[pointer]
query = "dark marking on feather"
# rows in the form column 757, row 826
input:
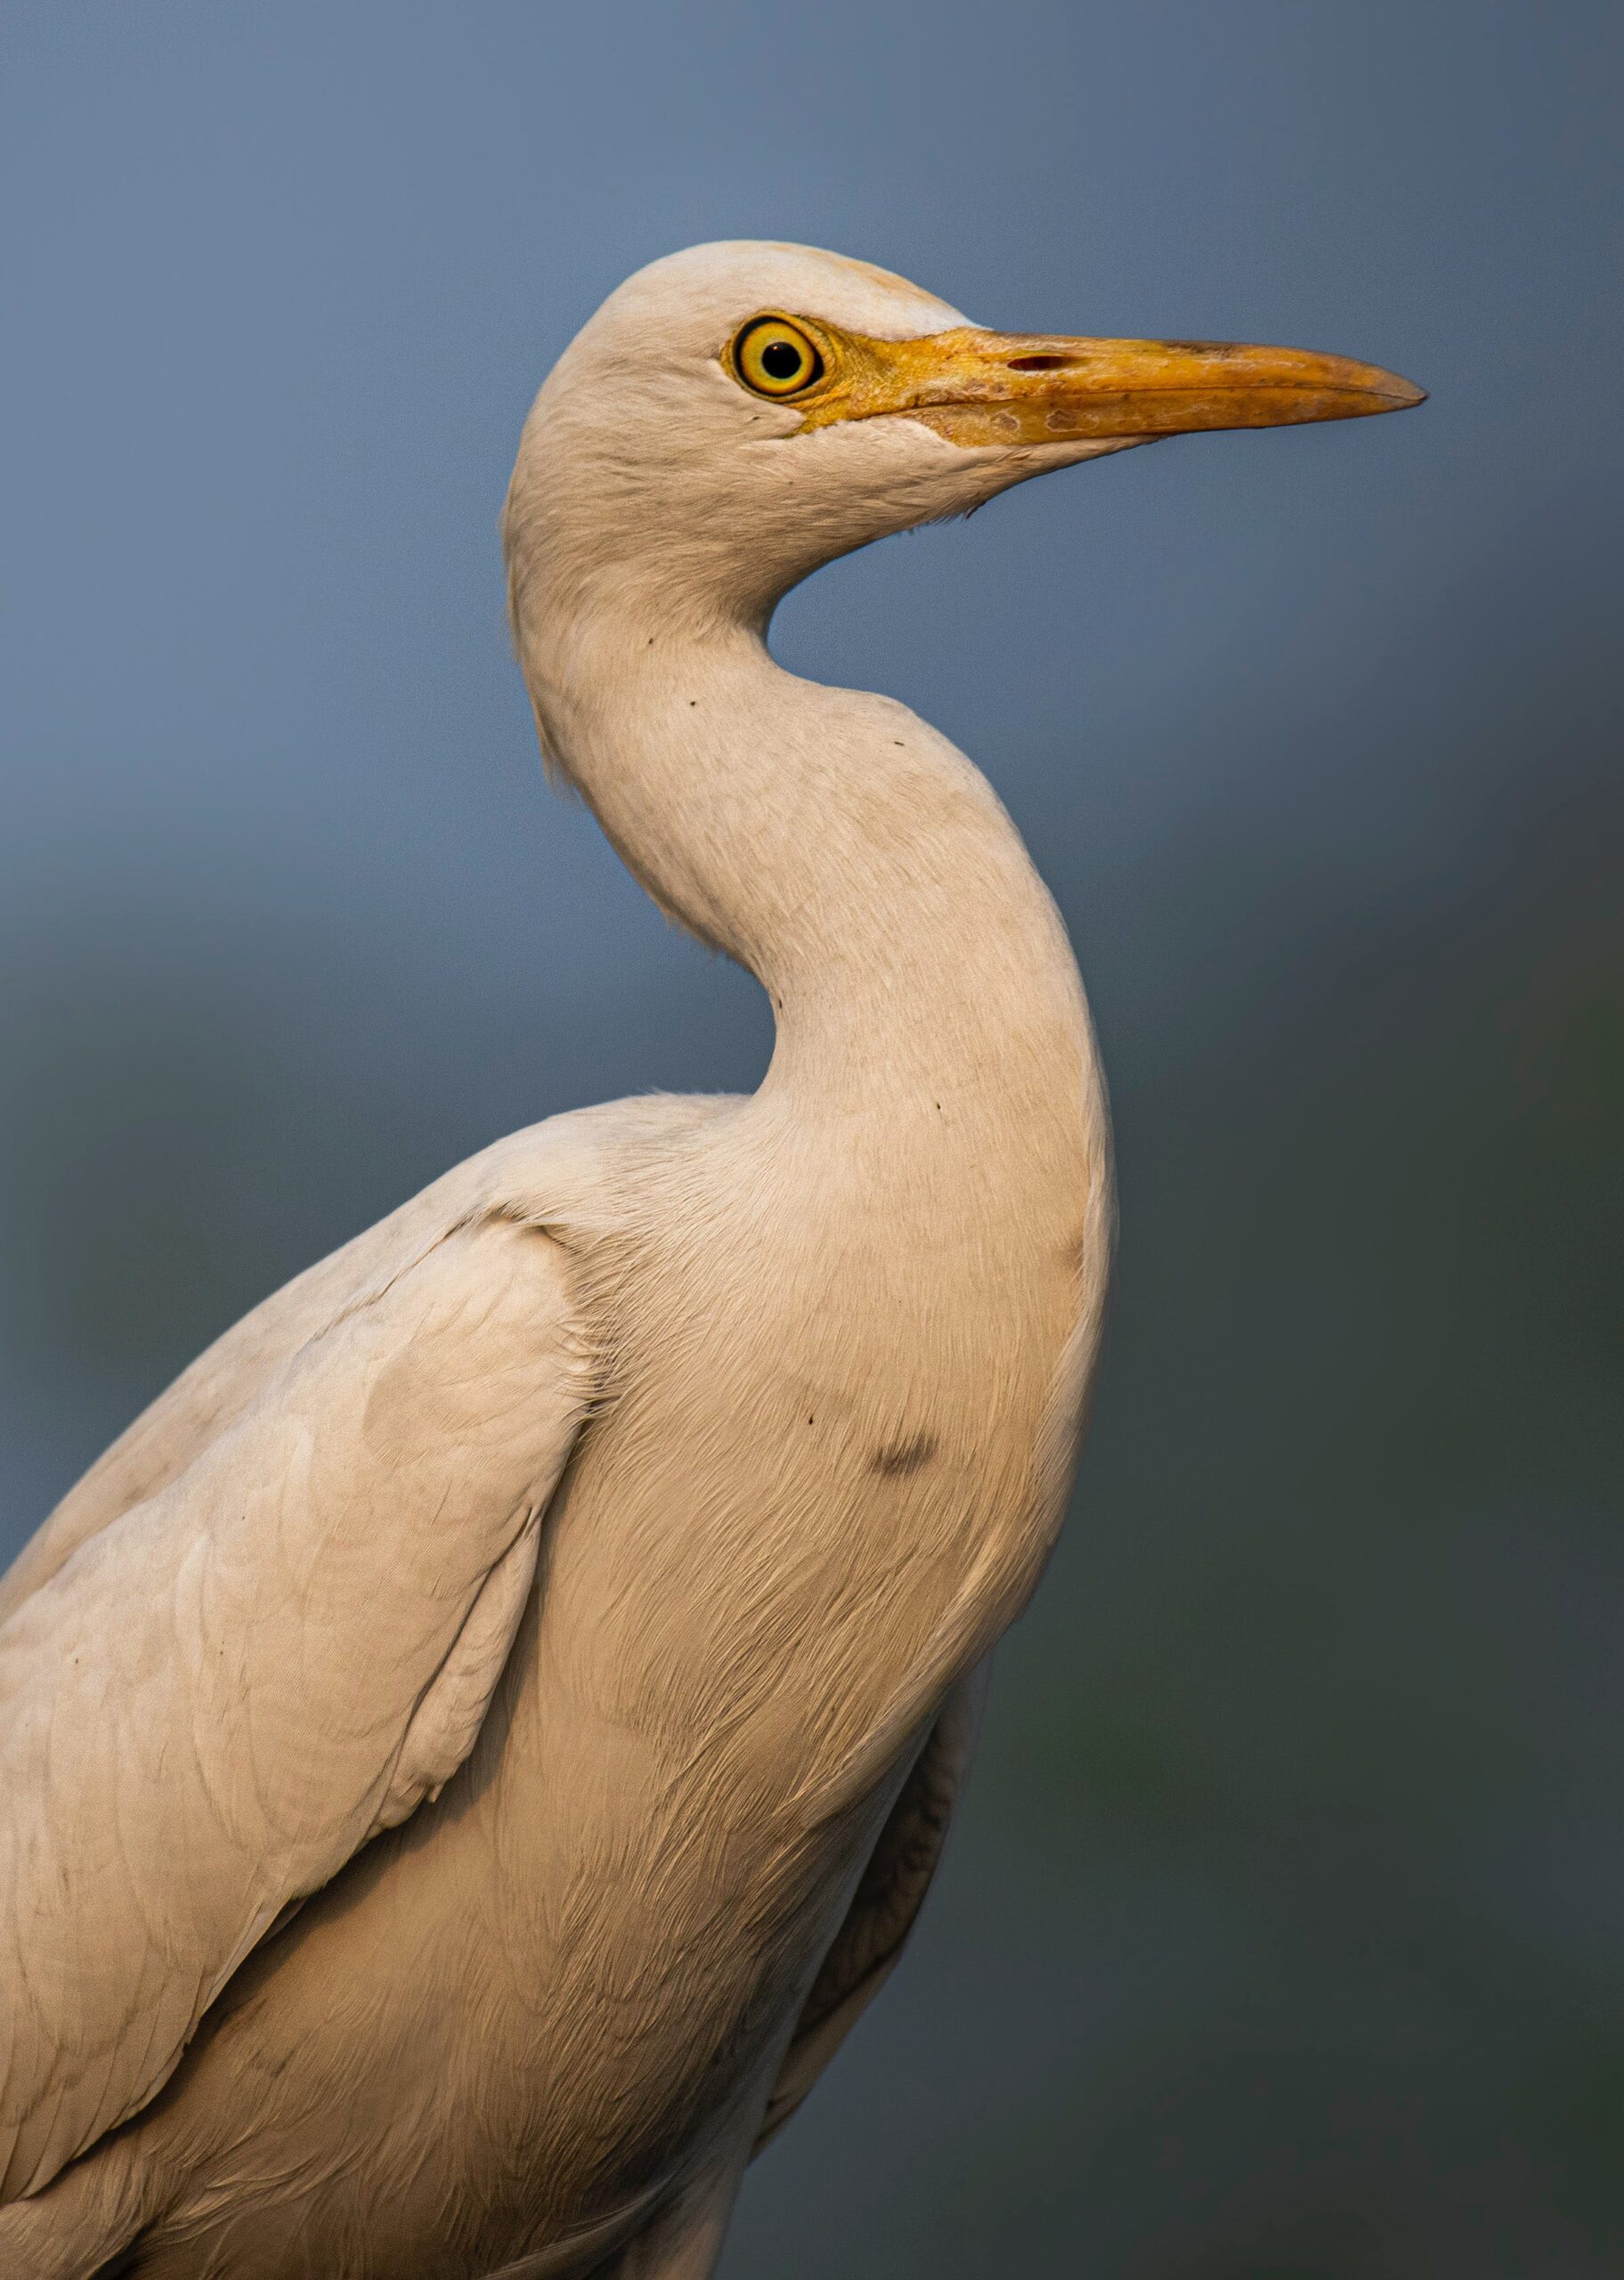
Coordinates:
column 904, row 1457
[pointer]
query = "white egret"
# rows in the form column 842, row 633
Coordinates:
column 471, row 1749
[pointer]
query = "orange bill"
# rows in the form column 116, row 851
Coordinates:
column 978, row 387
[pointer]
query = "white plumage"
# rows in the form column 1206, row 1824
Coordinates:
column 470, row 1750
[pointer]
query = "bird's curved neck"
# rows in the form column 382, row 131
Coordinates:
column 832, row 843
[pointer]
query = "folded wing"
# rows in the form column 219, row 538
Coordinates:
column 885, row 1906
column 227, row 1690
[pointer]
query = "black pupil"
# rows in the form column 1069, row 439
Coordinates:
column 781, row 360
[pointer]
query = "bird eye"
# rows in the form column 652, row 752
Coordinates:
column 776, row 357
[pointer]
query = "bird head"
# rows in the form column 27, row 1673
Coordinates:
column 737, row 414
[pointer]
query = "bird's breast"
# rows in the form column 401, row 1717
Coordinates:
column 819, row 1478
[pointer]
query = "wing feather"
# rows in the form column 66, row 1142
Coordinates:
column 885, row 1906
column 232, row 1685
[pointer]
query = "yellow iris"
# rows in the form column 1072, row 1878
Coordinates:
column 776, row 357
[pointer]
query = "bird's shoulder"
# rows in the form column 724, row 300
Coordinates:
column 564, row 1174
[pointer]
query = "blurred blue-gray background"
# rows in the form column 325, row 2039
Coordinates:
column 1283, row 1934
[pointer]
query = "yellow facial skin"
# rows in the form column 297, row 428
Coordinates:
column 977, row 387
